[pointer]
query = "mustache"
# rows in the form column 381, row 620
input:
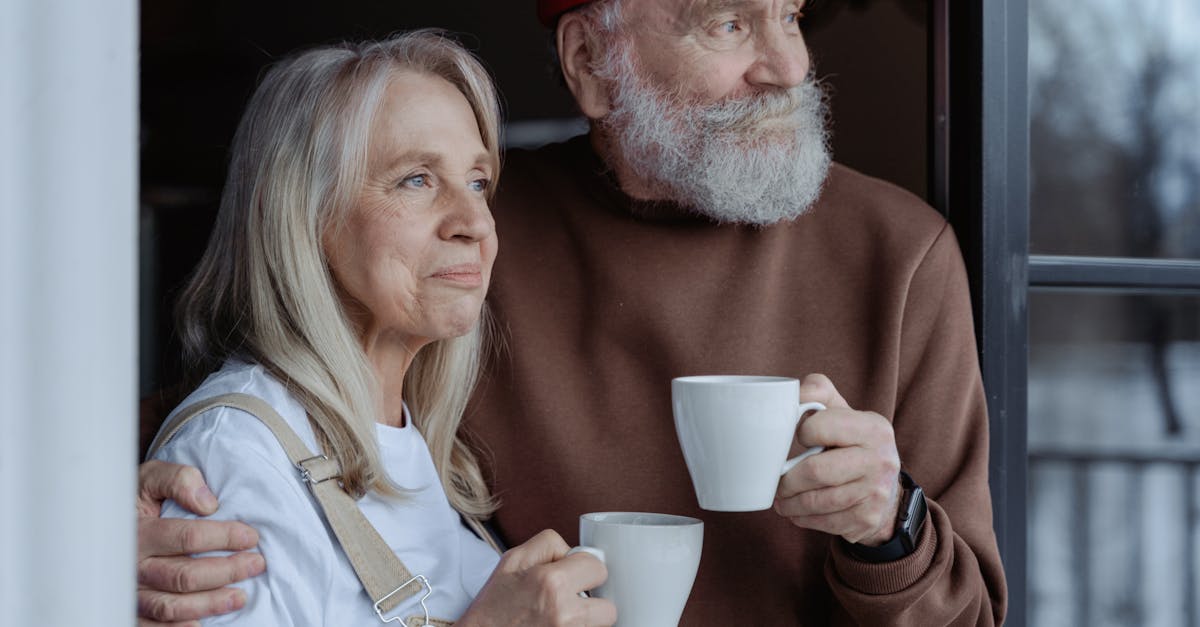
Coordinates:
column 747, row 113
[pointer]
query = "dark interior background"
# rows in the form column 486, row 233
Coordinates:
column 200, row 60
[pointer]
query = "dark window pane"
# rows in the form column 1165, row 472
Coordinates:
column 1114, row 459
column 1115, row 128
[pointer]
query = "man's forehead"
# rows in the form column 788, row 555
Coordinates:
column 675, row 10
column 689, row 10
column 679, row 15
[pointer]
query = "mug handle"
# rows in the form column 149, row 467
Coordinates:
column 594, row 552
column 803, row 408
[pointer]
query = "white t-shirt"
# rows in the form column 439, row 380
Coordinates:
column 308, row 580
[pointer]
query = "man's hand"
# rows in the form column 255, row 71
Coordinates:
column 851, row 489
column 174, row 589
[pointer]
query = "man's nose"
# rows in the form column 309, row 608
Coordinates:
column 782, row 59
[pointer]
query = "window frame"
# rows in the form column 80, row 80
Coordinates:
column 979, row 178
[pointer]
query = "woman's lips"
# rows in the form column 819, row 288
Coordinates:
column 465, row 275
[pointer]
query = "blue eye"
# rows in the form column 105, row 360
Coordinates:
column 480, row 185
column 416, row 180
column 729, row 27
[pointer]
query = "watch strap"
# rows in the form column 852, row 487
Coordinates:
column 910, row 519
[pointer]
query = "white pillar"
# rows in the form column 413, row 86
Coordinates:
column 68, row 315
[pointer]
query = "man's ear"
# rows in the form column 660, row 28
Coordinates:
column 576, row 55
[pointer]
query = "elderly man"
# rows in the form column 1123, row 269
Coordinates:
column 701, row 228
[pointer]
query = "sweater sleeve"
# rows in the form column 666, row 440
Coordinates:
column 243, row 463
column 955, row 576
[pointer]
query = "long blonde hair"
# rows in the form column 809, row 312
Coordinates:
column 263, row 288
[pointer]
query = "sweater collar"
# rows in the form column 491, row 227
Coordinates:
column 600, row 179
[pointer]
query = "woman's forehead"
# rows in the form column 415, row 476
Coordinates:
column 423, row 114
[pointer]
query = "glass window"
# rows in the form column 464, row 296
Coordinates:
column 1114, row 91
column 1114, row 459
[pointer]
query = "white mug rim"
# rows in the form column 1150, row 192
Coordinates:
column 628, row 519
column 739, row 379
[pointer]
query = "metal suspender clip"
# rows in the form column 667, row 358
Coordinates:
column 306, row 473
column 428, row 591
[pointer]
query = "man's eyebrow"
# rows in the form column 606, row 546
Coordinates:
column 708, row 7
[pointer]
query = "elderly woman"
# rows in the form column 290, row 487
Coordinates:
column 343, row 286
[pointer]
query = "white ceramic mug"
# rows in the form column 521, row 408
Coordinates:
column 735, row 432
column 651, row 560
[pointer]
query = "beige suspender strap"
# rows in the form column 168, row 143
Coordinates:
column 381, row 572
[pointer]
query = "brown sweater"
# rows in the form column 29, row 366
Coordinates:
column 600, row 310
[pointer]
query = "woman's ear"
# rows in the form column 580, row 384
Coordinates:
column 576, row 55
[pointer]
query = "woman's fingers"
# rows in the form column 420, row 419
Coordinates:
column 547, row 546
column 580, row 570
column 599, row 612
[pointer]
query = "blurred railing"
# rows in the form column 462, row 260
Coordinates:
column 1133, row 463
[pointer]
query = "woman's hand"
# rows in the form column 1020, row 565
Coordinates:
column 173, row 587
column 538, row 584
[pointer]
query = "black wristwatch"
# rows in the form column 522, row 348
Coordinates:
column 909, row 521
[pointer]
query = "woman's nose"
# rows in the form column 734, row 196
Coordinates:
column 467, row 217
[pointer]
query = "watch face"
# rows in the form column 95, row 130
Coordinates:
column 913, row 515
column 913, row 504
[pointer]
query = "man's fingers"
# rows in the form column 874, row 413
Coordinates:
column 182, row 536
column 819, row 388
column 849, row 524
column 831, row 467
column 167, row 607
column 854, row 511
column 184, row 574
column 158, row 480
column 822, row 501
column 833, row 524
column 845, row 427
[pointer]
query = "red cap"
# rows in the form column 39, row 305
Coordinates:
column 549, row 10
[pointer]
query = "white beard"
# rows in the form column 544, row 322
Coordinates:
column 753, row 160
